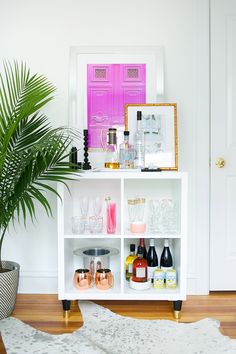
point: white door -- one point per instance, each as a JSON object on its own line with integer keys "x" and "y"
{"x": 223, "y": 145}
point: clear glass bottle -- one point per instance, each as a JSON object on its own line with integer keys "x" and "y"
{"x": 139, "y": 267}
{"x": 139, "y": 143}
{"x": 129, "y": 262}
{"x": 126, "y": 152}
{"x": 112, "y": 156}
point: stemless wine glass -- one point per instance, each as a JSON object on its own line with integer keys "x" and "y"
{"x": 155, "y": 217}
{"x": 78, "y": 225}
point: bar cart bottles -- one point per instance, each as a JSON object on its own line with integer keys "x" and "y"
{"x": 112, "y": 156}
{"x": 139, "y": 143}
{"x": 126, "y": 152}
{"x": 129, "y": 262}
{"x": 152, "y": 259}
{"x": 142, "y": 244}
{"x": 139, "y": 267}
{"x": 166, "y": 257}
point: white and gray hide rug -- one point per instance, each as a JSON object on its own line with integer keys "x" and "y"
{"x": 106, "y": 332}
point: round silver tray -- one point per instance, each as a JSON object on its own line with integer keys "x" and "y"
{"x": 96, "y": 251}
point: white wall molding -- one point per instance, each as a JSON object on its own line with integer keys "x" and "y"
{"x": 202, "y": 154}
{"x": 38, "y": 282}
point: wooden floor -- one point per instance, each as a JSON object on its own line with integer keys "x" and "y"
{"x": 44, "y": 312}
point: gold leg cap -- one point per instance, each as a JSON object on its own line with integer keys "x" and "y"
{"x": 177, "y": 315}
{"x": 66, "y": 315}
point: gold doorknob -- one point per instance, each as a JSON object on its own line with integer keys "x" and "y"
{"x": 220, "y": 162}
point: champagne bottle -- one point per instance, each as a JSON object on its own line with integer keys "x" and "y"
{"x": 152, "y": 260}
{"x": 166, "y": 257}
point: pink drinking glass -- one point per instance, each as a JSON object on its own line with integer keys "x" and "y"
{"x": 111, "y": 216}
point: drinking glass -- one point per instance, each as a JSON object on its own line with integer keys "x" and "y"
{"x": 84, "y": 207}
{"x": 170, "y": 218}
{"x": 82, "y": 279}
{"x": 95, "y": 224}
{"x": 97, "y": 206}
{"x": 132, "y": 209}
{"x": 104, "y": 279}
{"x": 155, "y": 216}
{"x": 78, "y": 225}
{"x": 111, "y": 216}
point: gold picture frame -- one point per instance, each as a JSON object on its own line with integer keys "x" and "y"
{"x": 159, "y": 123}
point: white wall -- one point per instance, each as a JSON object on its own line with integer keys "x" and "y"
{"x": 41, "y": 33}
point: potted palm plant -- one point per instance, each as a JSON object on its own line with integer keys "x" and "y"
{"x": 32, "y": 153}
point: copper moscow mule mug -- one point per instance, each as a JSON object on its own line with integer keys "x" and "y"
{"x": 104, "y": 279}
{"x": 82, "y": 279}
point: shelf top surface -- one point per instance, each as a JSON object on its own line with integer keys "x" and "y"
{"x": 130, "y": 174}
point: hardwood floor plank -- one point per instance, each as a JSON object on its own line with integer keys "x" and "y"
{"x": 44, "y": 312}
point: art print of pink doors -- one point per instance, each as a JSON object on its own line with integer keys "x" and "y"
{"x": 109, "y": 88}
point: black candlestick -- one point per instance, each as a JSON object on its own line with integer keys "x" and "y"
{"x": 73, "y": 158}
{"x": 86, "y": 163}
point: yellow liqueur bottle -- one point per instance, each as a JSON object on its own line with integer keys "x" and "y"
{"x": 129, "y": 262}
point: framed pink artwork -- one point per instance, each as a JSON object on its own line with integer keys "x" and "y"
{"x": 104, "y": 79}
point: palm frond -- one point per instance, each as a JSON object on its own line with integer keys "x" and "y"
{"x": 32, "y": 153}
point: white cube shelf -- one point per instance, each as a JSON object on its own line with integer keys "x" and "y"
{"x": 119, "y": 186}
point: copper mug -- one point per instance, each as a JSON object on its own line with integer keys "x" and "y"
{"x": 82, "y": 279}
{"x": 104, "y": 279}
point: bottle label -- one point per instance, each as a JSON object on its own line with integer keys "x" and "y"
{"x": 140, "y": 272}
{"x": 130, "y": 268}
{"x": 151, "y": 271}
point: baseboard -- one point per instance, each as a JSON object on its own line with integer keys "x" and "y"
{"x": 38, "y": 282}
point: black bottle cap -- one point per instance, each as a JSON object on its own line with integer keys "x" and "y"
{"x": 132, "y": 248}
{"x": 139, "y": 115}
{"x": 126, "y": 133}
{"x": 140, "y": 250}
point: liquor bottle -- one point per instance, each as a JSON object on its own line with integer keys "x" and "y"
{"x": 166, "y": 257}
{"x": 139, "y": 143}
{"x": 152, "y": 260}
{"x": 139, "y": 267}
{"x": 111, "y": 157}
{"x": 129, "y": 262}
{"x": 126, "y": 152}
{"x": 142, "y": 244}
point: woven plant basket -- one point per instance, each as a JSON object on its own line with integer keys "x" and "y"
{"x": 8, "y": 288}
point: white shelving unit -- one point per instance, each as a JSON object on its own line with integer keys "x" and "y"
{"x": 119, "y": 186}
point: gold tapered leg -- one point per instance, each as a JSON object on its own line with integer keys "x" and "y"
{"x": 177, "y": 315}
{"x": 66, "y": 315}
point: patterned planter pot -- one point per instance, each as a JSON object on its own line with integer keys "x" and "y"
{"x": 8, "y": 288}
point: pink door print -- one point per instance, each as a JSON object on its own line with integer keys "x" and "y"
{"x": 109, "y": 88}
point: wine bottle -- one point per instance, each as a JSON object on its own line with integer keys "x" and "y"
{"x": 129, "y": 262}
{"x": 142, "y": 244}
{"x": 152, "y": 260}
{"x": 166, "y": 257}
{"x": 139, "y": 267}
